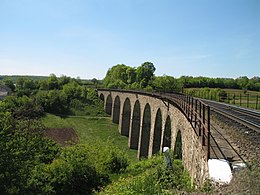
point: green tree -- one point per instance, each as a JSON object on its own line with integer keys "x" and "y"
{"x": 165, "y": 83}
{"x": 19, "y": 154}
{"x": 95, "y": 82}
{"x": 53, "y": 82}
{"x": 9, "y": 83}
{"x": 145, "y": 73}
{"x": 63, "y": 80}
{"x": 72, "y": 90}
{"x": 254, "y": 84}
{"x": 242, "y": 82}
{"x": 53, "y": 101}
{"x": 43, "y": 85}
{"x": 116, "y": 75}
{"x": 131, "y": 75}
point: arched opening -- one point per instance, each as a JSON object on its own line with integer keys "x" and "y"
{"x": 108, "y": 108}
{"x": 126, "y": 116}
{"x": 167, "y": 133}
{"x": 157, "y": 132}
{"x": 102, "y": 97}
{"x": 116, "y": 110}
{"x": 178, "y": 146}
{"x": 146, "y": 127}
{"x": 135, "y": 126}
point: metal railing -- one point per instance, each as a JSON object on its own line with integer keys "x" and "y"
{"x": 198, "y": 114}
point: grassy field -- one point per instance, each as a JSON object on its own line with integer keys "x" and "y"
{"x": 93, "y": 129}
{"x": 247, "y": 99}
{"x": 14, "y": 78}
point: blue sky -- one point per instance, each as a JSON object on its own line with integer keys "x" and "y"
{"x": 214, "y": 38}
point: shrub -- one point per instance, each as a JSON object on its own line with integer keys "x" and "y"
{"x": 116, "y": 162}
{"x": 72, "y": 173}
{"x": 152, "y": 177}
{"x": 19, "y": 154}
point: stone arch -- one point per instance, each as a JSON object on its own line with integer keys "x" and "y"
{"x": 126, "y": 117}
{"x": 102, "y": 97}
{"x": 178, "y": 146}
{"x": 167, "y": 137}
{"x": 135, "y": 131}
{"x": 157, "y": 132}
{"x": 145, "y": 134}
{"x": 116, "y": 110}
{"x": 108, "y": 108}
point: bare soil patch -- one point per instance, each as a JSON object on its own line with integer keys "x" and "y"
{"x": 63, "y": 136}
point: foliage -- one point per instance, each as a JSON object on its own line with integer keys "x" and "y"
{"x": 53, "y": 101}
{"x": 25, "y": 86}
{"x": 145, "y": 73}
{"x": 165, "y": 83}
{"x": 105, "y": 157}
{"x": 72, "y": 90}
{"x": 19, "y": 154}
{"x": 151, "y": 177}
{"x": 9, "y": 83}
{"x": 117, "y": 74}
{"x": 125, "y": 77}
{"x": 249, "y": 99}
{"x": 72, "y": 173}
{"x": 53, "y": 82}
{"x": 117, "y": 162}
{"x": 243, "y": 82}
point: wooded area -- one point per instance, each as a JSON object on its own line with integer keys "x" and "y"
{"x": 142, "y": 77}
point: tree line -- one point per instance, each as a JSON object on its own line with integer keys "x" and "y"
{"x": 55, "y": 95}
{"x": 122, "y": 76}
{"x": 142, "y": 77}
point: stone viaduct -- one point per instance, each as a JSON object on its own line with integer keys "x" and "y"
{"x": 153, "y": 121}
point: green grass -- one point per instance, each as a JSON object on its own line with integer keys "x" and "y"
{"x": 14, "y": 78}
{"x": 145, "y": 177}
{"x": 93, "y": 129}
{"x": 247, "y": 99}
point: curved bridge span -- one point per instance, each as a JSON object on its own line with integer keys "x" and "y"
{"x": 152, "y": 121}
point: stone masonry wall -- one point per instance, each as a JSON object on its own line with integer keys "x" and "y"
{"x": 193, "y": 156}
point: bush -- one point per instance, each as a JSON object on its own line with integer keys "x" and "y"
{"x": 116, "y": 162}
{"x": 104, "y": 156}
{"x": 144, "y": 183}
{"x": 152, "y": 177}
{"x": 53, "y": 101}
{"x": 72, "y": 173}
{"x": 19, "y": 154}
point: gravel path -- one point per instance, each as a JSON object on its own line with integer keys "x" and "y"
{"x": 246, "y": 143}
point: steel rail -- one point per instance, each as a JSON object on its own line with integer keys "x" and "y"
{"x": 225, "y": 110}
{"x": 249, "y": 112}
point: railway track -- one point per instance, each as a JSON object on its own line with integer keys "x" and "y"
{"x": 246, "y": 117}
{"x": 223, "y": 144}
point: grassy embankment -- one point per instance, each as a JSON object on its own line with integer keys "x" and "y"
{"x": 141, "y": 177}
{"x": 93, "y": 129}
